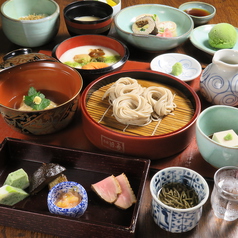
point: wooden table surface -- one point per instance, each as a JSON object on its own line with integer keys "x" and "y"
{"x": 209, "y": 226}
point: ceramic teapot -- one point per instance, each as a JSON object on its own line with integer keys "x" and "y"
{"x": 219, "y": 80}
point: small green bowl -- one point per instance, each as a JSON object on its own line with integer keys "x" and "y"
{"x": 214, "y": 119}
{"x": 30, "y": 33}
{"x": 199, "y": 7}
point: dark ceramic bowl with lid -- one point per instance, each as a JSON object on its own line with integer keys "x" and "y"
{"x": 23, "y": 55}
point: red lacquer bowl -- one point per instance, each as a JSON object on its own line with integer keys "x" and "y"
{"x": 59, "y": 83}
{"x": 95, "y": 40}
{"x": 152, "y": 147}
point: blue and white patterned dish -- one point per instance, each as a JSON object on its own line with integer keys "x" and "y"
{"x": 64, "y": 187}
{"x": 163, "y": 63}
{"x": 173, "y": 219}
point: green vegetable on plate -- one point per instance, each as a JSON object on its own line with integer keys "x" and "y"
{"x": 177, "y": 69}
{"x": 228, "y": 137}
{"x": 36, "y": 100}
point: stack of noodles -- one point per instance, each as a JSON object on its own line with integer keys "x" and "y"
{"x": 136, "y": 105}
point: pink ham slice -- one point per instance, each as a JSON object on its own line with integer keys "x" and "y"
{"x": 127, "y": 197}
{"x": 108, "y": 189}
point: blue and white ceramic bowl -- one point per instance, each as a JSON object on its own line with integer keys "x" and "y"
{"x": 164, "y": 63}
{"x": 173, "y": 219}
{"x": 64, "y": 187}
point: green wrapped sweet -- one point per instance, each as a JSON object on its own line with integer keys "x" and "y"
{"x": 18, "y": 179}
{"x": 11, "y": 195}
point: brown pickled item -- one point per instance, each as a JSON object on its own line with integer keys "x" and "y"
{"x": 44, "y": 175}
{"x": 61, "y": 178}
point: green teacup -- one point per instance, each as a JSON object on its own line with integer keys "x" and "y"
{"x": 215, "y": 119}
{"x": 30, "y": 33}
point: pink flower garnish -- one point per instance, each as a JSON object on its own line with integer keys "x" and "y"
{"x": 165, "y": 33}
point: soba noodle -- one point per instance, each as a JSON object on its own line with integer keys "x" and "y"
{"x": 135, "y": 105}
{"x": 161, "y": 99}
{"x": 132, "y": 109}
{"x": 121, "y": 87}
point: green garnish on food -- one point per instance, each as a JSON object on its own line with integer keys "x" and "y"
{"x": 228, "y": 137}
{"x": 36, "y": 100}
{"x": 106, "y": 59}
{"x": 72, "y": 64}
{"x": 112, "y": 59}
{"x": 154, "y": 17}
{"x": 177, "y": 69}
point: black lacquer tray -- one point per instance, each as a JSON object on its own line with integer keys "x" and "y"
{"x": 100, "y": 219}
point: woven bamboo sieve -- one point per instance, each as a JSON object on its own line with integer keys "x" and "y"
{"x": 101, "y": 112}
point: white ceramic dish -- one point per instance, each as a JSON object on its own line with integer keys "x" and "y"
{"x": 199, "y": 38}
{"x": 163, "y": 63}
{"x": 116, "y": 8}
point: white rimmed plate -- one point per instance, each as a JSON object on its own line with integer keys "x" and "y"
{"x": 164, "y": 63}
{"x": 199, "y": 38}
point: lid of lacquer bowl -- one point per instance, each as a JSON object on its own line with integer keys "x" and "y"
{"x": 21, "y": 56}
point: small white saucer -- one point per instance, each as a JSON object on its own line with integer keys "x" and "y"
{"x": 163, "y": 63}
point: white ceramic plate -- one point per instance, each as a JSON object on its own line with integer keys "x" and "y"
{"x": 163, "y": 63}
{"x": 116, "y": 8}
{"x": 199, "y": 38}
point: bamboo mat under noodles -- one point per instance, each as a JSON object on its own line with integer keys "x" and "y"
{"x": 181, "y": 115}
